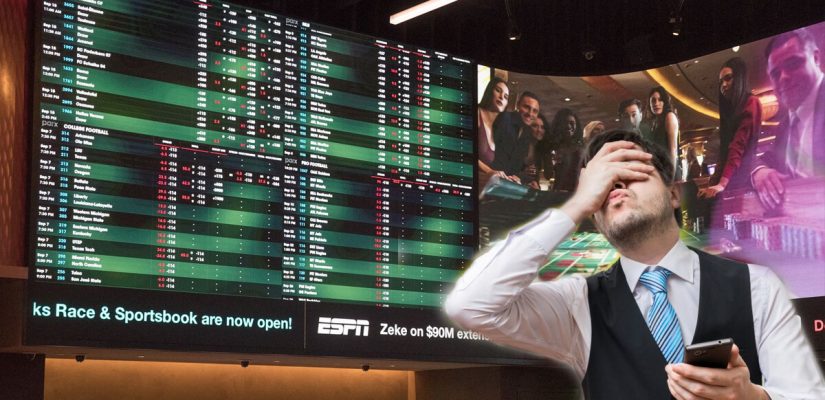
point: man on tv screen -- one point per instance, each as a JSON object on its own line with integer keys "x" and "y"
{"x": 794, "y": 68}
{"x": 512, "y": 136}
{"x": 630, "y": 114}
{"x": 624, "y": 330}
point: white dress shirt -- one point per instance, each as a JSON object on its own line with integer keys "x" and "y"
{"x": 499, "y": 297}
{"x": 801, "y": 160}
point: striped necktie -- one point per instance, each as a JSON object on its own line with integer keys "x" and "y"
{"x": 661, "y": 319}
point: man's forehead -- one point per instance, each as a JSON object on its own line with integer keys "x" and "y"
{"x": 789, "y": 47}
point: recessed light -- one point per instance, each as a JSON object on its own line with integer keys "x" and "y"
{"x": 735, "y": 49}
{"x": 566, "y": 99}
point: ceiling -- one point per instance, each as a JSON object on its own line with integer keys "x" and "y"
{"x": 623, "y": 35}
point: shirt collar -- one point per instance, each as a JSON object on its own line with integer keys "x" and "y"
{"x": 679, "y": 260}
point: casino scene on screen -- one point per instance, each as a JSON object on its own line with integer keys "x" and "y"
{"x": 732, "y": 126}
{"x": 409, "y": 200}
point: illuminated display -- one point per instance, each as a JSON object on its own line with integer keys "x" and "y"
{"x": 203, "y": 147}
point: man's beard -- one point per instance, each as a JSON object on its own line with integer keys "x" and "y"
{"x": 638, "y": 225}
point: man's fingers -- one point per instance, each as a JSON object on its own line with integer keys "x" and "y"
{"x": 708, "y": 376}
{"x": 768, "y": 192}
{"x": 773, "y": 190}
{"x": 613, "y": 146}
{"x": 631, "y": 171}
{"x": 680, "y": 392}
{"x": 627, "y": 155}
{"x": 675, "y": 390}
{"x": 736, "y": 358}
{"x": 775, "y": 180}
{"x": 765, "y": 198}
{"x": 628, "y": 175}
{"x": 699, "y": 382}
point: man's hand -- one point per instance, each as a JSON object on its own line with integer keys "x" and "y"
{"x": 768, "y": 184}
{"x": 511, "y": 178}
{"x": 619, "y": 161}
{"x": 688, "y": 382}
{"x": 710, "y": 192}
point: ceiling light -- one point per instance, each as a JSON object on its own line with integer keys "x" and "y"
{"x": 735, "y": 49}
{"x": 566, "y": 99}
{"x": 676, "y": 19}
{"x": 676, "y": 24}
{"x": 417, "y": 10}
{"x": 513, "y": 32}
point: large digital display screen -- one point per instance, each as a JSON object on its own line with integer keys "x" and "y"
{"x": 745, "y": 127}
{"x": 211, "y": 176}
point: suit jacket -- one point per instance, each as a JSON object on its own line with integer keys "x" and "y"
{"x": 776, "y": 157}
{"x": 511, "y": 149}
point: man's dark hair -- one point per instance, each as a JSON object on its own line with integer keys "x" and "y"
{"x": 807, "y": 41}
{"x": 661, "y": 158}
{"x": 629, "y": 102}
{"x": 529, "y": 94}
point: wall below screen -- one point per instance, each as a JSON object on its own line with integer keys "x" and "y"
{"x": 66, "y": 379}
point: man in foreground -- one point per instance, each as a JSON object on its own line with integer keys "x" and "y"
{"x": 623, "y": 330}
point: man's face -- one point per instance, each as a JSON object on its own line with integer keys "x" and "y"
{"x": 633, "y": 210}
{"x": 793, "y": 71}
{"x": 528, "y": 108}
{"x": 632, "y": 115}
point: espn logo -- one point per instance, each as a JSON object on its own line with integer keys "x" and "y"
{"x": 343, "y": 326}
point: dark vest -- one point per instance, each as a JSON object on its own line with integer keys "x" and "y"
{"x": 626, "y": 363}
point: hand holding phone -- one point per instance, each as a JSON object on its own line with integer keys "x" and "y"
{"x": 712, "y": 354}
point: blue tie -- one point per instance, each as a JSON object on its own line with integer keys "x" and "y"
{"x": 661, "y": 319}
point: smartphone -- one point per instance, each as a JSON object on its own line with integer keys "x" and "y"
{"x": 713, "y": 354}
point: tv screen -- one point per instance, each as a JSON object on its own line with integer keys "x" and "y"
{"x": 208, "y": 176}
